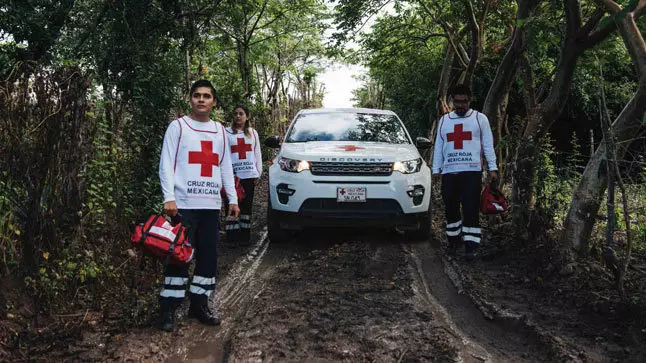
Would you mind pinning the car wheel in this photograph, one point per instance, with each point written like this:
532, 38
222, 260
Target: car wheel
275, 232
423, 233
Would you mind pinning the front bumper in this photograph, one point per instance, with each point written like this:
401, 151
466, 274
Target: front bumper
313, 197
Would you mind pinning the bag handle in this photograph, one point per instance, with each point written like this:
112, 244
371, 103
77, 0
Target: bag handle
172, 245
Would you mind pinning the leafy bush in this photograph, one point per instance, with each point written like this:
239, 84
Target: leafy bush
554, 183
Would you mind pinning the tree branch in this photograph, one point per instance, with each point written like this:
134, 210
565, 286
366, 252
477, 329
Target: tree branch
572, 11
528, 83
455, 47
476, 43
639, 9
592, 23
598, 36
253, 27
611, 6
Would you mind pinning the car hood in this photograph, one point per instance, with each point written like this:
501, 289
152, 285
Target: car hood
346, 151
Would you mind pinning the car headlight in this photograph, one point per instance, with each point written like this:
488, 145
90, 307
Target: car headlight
408, 166
293, 166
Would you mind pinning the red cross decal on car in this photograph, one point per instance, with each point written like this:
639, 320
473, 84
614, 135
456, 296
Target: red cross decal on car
458, 136
205, 157
342, 192
241, 148
350, 147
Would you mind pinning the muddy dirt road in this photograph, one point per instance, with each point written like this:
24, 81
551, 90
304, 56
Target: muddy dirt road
334, 295
339, 295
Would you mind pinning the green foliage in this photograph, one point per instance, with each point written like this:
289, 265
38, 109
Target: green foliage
90, 87
100, 176
555, 183
10, 229
405, 68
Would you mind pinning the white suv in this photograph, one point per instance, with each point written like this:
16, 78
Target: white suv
348, 167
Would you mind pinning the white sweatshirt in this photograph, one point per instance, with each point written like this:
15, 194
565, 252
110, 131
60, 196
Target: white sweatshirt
246, 156
460, 142
195, 163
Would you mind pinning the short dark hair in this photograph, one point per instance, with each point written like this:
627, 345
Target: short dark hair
460, 89
203, 83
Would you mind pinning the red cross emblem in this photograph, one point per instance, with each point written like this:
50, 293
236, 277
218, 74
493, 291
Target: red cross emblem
205, 157
350, 147
241, 148
457, 136
342, 192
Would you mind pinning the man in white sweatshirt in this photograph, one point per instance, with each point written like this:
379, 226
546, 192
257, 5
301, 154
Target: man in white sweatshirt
463, 139
195, 164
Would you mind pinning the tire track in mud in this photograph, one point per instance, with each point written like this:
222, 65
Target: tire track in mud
351, 299
340, 299
477, 337
468, 349
242, 284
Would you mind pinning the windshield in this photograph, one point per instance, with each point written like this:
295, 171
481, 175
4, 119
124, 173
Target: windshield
348, 126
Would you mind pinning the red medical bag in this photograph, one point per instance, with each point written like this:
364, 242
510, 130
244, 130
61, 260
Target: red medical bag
492, 201
168, 242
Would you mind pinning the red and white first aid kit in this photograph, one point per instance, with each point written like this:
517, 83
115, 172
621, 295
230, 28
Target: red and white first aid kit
492, 201
164, 240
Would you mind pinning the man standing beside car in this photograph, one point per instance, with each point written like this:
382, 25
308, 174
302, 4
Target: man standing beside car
463, 139
195, 164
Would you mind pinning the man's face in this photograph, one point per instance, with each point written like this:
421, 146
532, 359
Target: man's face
202, 101
461, 104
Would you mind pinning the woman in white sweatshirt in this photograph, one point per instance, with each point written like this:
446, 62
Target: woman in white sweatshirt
246, 159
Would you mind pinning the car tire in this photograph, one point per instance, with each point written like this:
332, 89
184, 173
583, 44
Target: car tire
275, 232
423, 233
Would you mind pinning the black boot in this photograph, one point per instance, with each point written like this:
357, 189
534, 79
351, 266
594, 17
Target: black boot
454, 246
233, 235
471, 250
230, 241
245, 237
200, 310
167, 319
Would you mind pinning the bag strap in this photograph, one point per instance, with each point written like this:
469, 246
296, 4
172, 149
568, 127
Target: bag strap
144, 235
146, 231
181, 231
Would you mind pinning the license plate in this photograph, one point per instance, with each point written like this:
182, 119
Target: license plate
354, 194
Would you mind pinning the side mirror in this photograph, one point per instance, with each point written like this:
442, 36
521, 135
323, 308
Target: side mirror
272, 142
422, 143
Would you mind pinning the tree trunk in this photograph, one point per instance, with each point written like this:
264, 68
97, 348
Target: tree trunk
187, 59
495, 105
476, 44
441, 103
244, 68
587, 196
579, 37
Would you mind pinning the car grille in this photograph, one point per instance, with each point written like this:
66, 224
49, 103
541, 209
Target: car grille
371, 209
349, 169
